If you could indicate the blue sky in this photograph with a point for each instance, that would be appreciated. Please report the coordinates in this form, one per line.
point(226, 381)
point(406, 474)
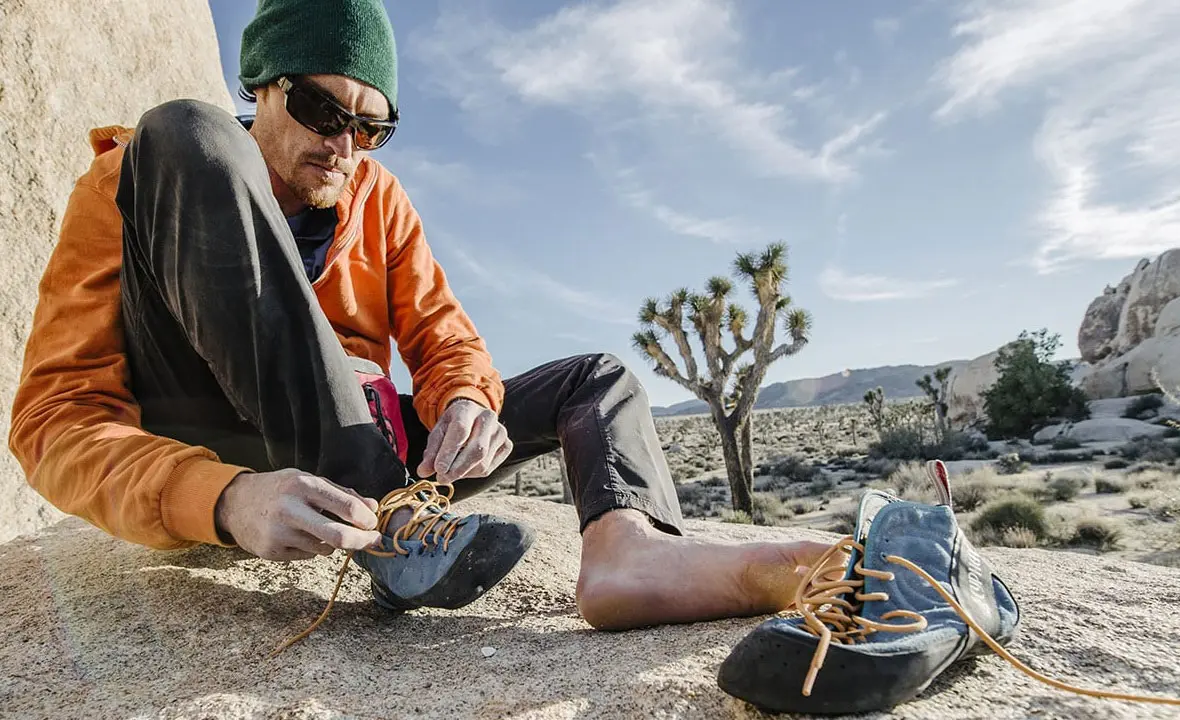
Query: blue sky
point(945, 174)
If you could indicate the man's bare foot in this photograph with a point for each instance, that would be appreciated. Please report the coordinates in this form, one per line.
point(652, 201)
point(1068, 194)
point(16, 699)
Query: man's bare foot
point(634, 575)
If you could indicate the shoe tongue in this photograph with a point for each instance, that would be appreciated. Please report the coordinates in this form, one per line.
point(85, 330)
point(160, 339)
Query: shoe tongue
point(870, 504)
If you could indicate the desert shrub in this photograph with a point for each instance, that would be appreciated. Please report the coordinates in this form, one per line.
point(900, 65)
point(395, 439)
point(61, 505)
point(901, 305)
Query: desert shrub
point(801, 507)
point(1138, 502)
point(697, 498)
point(768, 509)
point(1115, 464)
point(1148, 450)
point(1018, 537)
point(876, 466)
point(740, 517)
point(1013, 512)
point(908, 477)
point(1098, 533)
point(844, 521)
point(1031, 390)
point(1166, 507)
point(1143, 405)
point(1064, 489)
point(1065, 443)
point(1010, 464)
point(899, 442)
point(970, 496)
point(791, 468)
point(1171, 432)
point(1108, 486)
point(821, 485)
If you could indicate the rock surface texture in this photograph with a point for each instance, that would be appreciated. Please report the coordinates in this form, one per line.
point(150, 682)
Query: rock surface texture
point(1146, 337)
point(63, 70)
point(966, 387)
point(98, 628)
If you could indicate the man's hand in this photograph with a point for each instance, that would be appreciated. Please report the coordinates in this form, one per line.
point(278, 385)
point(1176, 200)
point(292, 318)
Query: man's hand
point(468, 441)
point(279, 515)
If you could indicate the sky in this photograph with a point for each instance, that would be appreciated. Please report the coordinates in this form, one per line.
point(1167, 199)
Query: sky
point(944, 174)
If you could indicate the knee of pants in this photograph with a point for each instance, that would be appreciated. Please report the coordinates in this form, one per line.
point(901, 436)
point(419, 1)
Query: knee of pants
point(195, 134)
point(610, 364)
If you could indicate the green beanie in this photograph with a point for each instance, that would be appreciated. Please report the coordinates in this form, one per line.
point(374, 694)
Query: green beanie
point(337, 37)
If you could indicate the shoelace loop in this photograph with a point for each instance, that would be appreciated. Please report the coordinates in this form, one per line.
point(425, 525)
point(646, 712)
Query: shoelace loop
point(431, 519)
point(833, 619)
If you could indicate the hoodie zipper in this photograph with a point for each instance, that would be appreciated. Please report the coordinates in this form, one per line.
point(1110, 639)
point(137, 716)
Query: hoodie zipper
point(350, 233)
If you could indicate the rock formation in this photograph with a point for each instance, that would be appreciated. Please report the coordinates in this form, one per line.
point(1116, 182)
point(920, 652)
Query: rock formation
point(966, 386)
point(1146, 337)
point(95, 627)
point(67, 68)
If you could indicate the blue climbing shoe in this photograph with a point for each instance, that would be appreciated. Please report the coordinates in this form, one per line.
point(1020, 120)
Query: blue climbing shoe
point(438, 558)
point(874, 632)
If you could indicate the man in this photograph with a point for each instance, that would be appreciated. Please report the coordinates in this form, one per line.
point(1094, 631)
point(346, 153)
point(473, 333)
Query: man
point(192, 372)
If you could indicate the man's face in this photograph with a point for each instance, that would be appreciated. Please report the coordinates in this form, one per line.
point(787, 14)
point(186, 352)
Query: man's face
point(314, 168)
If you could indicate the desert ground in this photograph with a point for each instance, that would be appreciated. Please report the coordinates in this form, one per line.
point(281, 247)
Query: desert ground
point(1115, 498)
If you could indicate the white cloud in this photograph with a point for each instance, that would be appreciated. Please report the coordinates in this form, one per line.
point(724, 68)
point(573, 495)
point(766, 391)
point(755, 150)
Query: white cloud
point(841, 285)
point(1110, 135)
point(663, 66)
point(719, 230)
point(527, 284)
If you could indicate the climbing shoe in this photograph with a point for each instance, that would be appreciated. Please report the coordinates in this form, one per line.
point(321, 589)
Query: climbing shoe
point(874, 631)
point(438, 558)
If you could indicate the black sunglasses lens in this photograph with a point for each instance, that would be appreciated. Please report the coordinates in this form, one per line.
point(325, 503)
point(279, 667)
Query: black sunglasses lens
point(369, 136)
point(313, 112)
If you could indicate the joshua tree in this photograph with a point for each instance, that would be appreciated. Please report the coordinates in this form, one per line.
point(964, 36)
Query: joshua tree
point(729, 389)
point(875, 399)
point(936, 389)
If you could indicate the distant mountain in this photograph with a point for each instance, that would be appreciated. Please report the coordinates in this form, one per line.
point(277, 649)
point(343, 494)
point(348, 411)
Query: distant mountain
point(898, 381)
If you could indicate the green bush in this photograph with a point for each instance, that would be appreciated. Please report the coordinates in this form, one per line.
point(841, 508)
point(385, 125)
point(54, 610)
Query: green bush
point(1012, 513)
point(1142, 405)
point(1063, 489)
point(1031, 391)
point(1115, 464)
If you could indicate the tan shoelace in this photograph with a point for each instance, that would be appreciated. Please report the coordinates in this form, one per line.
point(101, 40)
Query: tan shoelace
point(427, 520)
point(817, 599)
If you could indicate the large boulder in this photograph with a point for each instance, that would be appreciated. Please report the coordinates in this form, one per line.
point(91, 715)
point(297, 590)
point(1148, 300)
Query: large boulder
point(1100, 324)
point(1152, 286)
point(966, 386)
point(97, 628)
point(68, 67)
point(1098, 430)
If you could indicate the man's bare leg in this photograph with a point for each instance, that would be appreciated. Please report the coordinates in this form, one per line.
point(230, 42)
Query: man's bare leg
point(633, 575)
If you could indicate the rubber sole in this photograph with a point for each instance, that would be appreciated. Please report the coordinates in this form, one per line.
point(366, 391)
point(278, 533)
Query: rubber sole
point(768, 668)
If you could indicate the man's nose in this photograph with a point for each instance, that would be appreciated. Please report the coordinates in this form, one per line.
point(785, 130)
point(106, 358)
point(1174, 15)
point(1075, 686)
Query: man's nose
point(342, 144)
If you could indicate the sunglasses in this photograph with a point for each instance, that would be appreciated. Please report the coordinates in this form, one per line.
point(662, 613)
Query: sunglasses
point(318, 112)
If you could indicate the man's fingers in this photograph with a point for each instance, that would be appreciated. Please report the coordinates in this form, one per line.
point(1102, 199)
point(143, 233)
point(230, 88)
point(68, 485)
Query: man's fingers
point(306, 518)
point(430, 453)
point(346, 505)
point(454, 437)
point(369, 502)
point(478, 449)
point(302, 545)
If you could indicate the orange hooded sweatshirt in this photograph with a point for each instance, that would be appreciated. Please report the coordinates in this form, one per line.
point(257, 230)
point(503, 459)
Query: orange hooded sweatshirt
point(76, 427)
